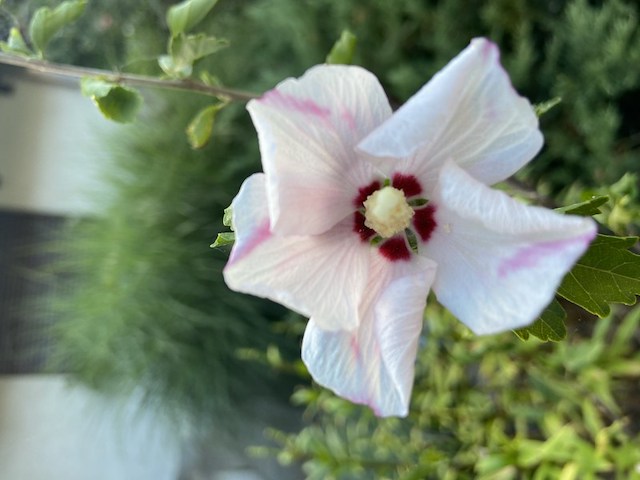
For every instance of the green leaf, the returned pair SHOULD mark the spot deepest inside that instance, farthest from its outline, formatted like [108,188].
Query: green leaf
[624,208]
[549,327]
[185,15]
[227,219]
[224,239]
[16,44]
[117,103]
[46,22]
[185,50]
[607,273]
[343,50]
[208,79]
[544,107]
[201,127]
[587,208]
[173,68]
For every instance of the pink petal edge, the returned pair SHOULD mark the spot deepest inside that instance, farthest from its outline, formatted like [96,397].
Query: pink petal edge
[529,256]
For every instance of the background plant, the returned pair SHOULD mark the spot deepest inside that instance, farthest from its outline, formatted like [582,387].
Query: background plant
[488,408]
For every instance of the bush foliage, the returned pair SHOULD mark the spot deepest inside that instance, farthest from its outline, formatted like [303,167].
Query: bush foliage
[488,408]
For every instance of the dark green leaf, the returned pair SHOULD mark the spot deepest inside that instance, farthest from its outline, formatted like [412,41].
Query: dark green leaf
[116,102]
[201,127]
[607,273]
[586,209]
[185,15]
[46,22]
[224,239]
[411,238]
[343,50]
[185,50]
[549,327]
[544,107]
[418,202]
[16,44]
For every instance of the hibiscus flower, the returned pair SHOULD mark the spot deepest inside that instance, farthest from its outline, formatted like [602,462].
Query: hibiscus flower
[361,211]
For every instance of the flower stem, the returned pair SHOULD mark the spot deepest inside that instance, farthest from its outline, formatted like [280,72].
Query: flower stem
[72,71]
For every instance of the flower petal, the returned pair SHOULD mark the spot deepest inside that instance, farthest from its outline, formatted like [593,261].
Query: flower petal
[499,261]
[374,364]
[308,129]
[322,275]
[468,113]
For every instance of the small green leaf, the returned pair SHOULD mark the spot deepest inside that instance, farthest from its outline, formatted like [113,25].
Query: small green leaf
[16,44]
[208,79]
[227,218]
[46,22]
[607,273]
[625,332]
[224,239]
[201,127]
[376,240]
[624,208]
[117,103]
[544,107]
[591,416]
[411,238]
[195,47]
[549,327]
[343,50]
[185,50]
[418,202]
[586,209]
[173,68]
[186,15]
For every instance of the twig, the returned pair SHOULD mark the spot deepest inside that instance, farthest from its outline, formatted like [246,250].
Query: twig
[72,71]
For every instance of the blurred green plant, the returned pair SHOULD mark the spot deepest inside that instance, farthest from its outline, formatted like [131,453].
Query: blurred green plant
[621,213]
[146,308]
[573,49]
[487,408]
[101,36]
[112,92]
[577,50]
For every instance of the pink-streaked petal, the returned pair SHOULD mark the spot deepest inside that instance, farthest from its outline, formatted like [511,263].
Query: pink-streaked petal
[308,129]
[250,220]
[322,275]
[500,262]
[468,113]
[374,364]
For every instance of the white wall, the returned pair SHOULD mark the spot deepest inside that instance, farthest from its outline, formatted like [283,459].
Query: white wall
[50,162]
[49,156]
[52,431]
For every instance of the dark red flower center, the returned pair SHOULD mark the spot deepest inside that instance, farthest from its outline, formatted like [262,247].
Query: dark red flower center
[401,245]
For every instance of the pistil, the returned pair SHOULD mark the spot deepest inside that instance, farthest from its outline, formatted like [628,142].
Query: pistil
[387,211]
